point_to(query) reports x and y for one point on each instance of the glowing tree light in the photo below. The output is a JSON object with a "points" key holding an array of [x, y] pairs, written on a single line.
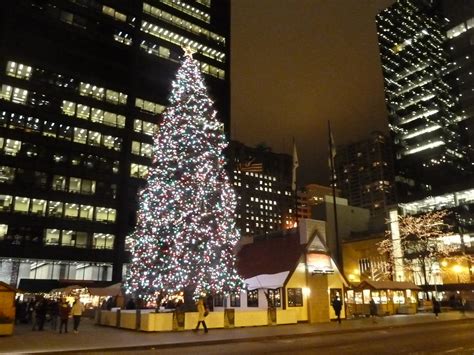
{"points": [[185, 232]]}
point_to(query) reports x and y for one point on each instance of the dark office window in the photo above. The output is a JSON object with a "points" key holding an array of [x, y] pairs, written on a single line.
{"points": [[252, 298], [295, 297]]}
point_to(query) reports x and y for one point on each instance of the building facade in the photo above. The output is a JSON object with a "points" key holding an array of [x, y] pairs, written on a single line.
{"points": [[262, 180], [365, 173], [79, 103], [312, 195], [427, 64]]}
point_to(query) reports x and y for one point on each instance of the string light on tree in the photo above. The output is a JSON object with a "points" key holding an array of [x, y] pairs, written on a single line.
{"points": [[185, 232]]}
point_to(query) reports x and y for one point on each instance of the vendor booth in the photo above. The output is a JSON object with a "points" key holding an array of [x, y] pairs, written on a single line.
{"points": [[391, 298], [7, 309]]}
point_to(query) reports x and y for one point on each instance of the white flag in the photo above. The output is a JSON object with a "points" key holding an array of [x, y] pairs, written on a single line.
{"points": [[295, 165]]}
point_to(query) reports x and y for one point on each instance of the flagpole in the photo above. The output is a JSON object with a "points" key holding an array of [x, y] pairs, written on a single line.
{"points": [[295, 184], [333, 185]]}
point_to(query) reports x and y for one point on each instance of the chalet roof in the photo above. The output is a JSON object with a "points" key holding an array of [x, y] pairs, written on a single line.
{"points": [[4, 287], [270, 255], [387, 285]]}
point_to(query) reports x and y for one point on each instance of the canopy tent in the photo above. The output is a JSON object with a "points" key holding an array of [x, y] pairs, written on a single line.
{"points": [[267, 281], [386, 285], [67, 289], [112, 290]]}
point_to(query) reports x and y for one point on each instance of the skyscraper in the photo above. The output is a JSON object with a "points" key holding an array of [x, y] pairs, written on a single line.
{"points": [[82, 85], [364, 172], [425, 48], [262, 181]]}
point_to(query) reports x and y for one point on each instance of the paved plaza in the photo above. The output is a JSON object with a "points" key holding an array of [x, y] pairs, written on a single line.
{"points": [[96, 338]]}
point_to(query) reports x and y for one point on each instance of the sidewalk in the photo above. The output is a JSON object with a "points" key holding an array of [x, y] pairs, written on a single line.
{"points": [[97, 338]]}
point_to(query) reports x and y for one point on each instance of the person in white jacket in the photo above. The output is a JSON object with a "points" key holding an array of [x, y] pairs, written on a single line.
{"points": [[76, 311]]}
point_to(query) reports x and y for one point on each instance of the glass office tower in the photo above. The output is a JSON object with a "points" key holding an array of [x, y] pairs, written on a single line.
{"points": [[427, 82], [82, 85]]}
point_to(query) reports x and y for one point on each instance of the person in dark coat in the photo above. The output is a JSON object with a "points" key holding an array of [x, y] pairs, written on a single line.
{"points": [[64, 312], [373, 310], [337, 306], [436, 307], [41, 309]]}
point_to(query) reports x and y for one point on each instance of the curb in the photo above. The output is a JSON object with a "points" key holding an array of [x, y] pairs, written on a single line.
{"points": [[252, 339]]}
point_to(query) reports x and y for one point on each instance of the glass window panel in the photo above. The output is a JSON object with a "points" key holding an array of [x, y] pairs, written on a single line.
{"points": [[146, 150], [3, 231], [123, 98], [74, 185], [19, 96], [97, 115], [120, 121], [7, 174], [82, 239], [51, 237], [55, 209], [108, 142], [33, 124], [59, 182], [94, 138], [86, 212], [83, 111], [136, 147], [88, 187], [5, 203], [111, 215], [137, 125], [148, 128], [112, 96], [110, 119], [38, 207], [22, 204], [109, 241], [68, 108], [71, 210], [12, 147], [80, 135], [101, 214], [67, 239], [252, 298], [6, 92]]}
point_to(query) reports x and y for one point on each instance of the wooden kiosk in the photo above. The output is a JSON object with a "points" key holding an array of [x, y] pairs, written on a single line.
{"points": [[7, 309], [391, 298]]}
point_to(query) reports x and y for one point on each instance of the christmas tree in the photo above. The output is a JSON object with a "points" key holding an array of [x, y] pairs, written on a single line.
{"points": [[185, 232]]}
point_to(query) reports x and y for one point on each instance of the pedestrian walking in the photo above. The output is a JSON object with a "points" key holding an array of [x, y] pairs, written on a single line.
{"points": [[77, 310], [202, 314], [436, 307], [64, 312], [463, 306], [337, 306], [54, 313], [373, 310], [41, 309]]}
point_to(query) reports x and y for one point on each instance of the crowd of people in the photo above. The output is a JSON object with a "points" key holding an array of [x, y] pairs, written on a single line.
{"points": [[40, 311]]}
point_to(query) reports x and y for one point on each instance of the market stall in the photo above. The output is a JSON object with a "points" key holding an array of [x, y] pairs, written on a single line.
{"points": [[391, 298]]}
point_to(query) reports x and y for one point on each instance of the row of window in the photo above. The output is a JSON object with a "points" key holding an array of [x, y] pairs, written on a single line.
{"points": [[188, 9], [39, 207], [145, 127], [60, 237], [149, 106], [143, 149], [85, 112], [40, 180], [295, 298], [109, 11], [186, 25], [179, 40]]}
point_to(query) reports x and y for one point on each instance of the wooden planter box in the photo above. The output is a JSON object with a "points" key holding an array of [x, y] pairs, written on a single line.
{"points": [[6, 329]]}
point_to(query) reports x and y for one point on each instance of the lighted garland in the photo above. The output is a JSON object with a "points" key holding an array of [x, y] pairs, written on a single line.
{"points": [[185, 232]]}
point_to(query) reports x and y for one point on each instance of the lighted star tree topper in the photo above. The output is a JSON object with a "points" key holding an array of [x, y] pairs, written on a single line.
{"points": [[185, 232]]}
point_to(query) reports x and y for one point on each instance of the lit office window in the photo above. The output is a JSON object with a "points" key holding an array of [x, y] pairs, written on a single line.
{"points": [[94, 139], [86, 89], [6, 92], [88, 187], [103, 241], [22, 204], [10, 146], [59, 183], [103, 214], [149, 106], [19, 96], [71, 210], [74, 185], [7, 174], [67, 238], [80, 135], [55, 209], [138, 171], [5, 203], [49, 129], [113, 13], [38, 207], [68, 108], [86, 212], [18, 70], [83, 111], [52, 237], [3, 231]]}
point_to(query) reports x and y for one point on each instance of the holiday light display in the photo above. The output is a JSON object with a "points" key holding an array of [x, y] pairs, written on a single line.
{"points": [[185, 232]]}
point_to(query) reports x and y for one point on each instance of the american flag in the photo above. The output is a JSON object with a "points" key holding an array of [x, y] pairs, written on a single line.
{"points": [[251, 166]]}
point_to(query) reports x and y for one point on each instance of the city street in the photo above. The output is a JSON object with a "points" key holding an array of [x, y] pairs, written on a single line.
{"points": [[431, 338]]}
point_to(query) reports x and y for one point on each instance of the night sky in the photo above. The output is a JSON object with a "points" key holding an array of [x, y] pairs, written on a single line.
{"points": [[297, 64]]}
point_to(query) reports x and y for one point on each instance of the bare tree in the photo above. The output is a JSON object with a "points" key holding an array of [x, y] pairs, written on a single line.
{"points": [[423, 244]]}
